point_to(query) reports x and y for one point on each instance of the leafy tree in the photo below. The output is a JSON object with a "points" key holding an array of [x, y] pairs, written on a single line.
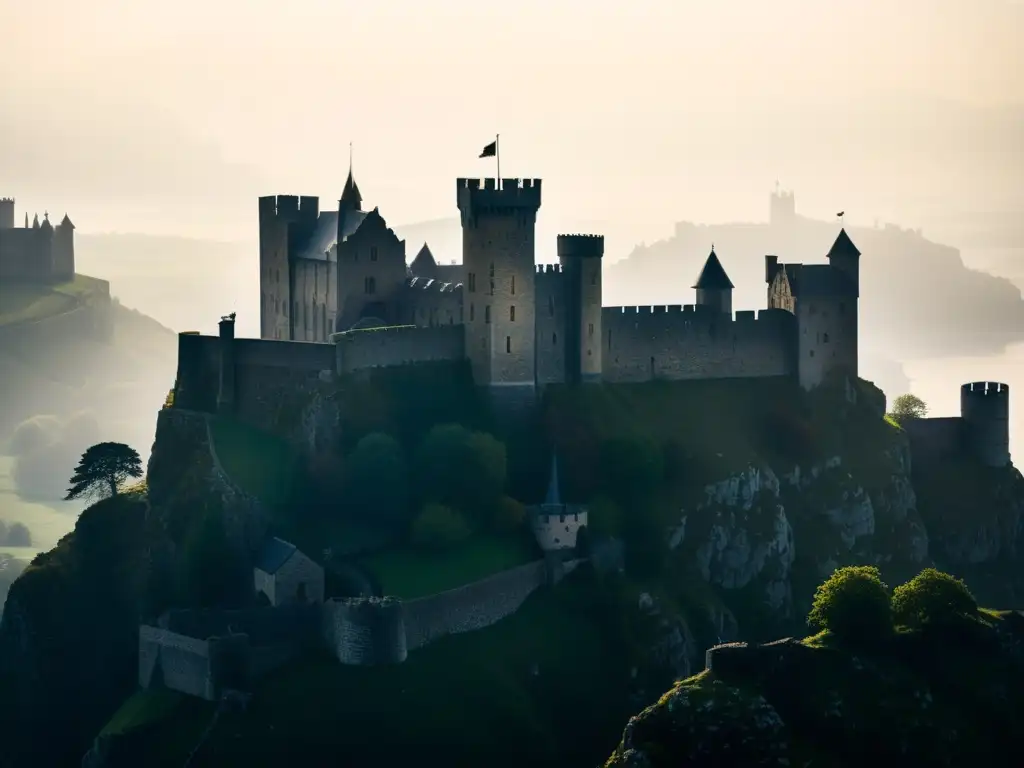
{"points": [[932, 597], [461, 469], [439, 527], [103, 469], [377, 478], [509, 515], [604, 517], [907, 407], [853, 604]]}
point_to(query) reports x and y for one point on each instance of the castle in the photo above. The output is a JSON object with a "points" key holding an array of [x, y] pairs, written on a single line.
{"points": [[523, 325], [40, 253]]}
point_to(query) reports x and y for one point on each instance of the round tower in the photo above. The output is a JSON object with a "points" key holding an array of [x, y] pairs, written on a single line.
{"points": [[713, 286], [580, 257], [6, 213], [985, 410], [498, 223]]}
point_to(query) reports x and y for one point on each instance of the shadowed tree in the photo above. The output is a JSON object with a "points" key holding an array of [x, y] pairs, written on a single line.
{"points": [[103, 469]]}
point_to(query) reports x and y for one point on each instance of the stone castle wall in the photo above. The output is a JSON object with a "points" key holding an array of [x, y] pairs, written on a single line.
{"points": [[382, 347], [366, 631], [176, 661], [551, 336], [470, 607], [934, 439], [684, 342]]}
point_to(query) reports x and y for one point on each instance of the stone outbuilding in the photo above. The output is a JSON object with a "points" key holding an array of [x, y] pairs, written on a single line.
{"points": [[286, 576]]}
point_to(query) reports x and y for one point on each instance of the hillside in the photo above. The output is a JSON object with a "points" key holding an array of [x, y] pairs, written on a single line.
{"points": [[944, 693], [732, 499]]}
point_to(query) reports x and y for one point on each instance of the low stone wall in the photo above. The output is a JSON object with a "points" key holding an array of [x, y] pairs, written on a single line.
{"points": [[178, 662], [470, 607]]}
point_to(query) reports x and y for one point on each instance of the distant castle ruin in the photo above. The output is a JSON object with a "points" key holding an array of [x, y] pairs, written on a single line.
{"points": [[38, 253]]}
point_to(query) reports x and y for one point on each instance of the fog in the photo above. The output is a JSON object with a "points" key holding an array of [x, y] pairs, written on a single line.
{"points": [[156, 126]]}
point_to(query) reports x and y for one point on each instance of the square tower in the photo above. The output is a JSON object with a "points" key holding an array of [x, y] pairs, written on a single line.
{"points": [[498, 256]]}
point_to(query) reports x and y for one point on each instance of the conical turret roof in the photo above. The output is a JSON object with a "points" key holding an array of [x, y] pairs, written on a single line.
{"points": [[712, 277], [351, 198], [554, 496], [843, 246], [424, 261]]}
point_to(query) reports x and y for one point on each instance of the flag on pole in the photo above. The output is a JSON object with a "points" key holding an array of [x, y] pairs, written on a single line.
{"points": [[490, 150], [841, 214]]}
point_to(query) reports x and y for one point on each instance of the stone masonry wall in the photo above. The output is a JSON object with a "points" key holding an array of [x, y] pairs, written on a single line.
{"points": [[470, 607], [681, 342], [551, 324], [183, 662], [382, 347], [366, 631]]}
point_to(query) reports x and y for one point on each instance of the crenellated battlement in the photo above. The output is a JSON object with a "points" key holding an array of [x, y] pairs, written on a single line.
{"points": [[549, 269], [7, 200], [580, 246], [994, 390], [475, 196], [290, 206]]}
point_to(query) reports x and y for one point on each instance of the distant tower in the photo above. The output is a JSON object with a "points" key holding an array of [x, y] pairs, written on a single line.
{"points": [[580, 257], [985, 411], [7, 213], [714, 288], [44, 266], [498, 260], [64, 250], [783, 207]]}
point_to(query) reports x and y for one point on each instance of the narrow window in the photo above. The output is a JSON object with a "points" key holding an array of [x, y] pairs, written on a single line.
{"points": [[593, 277], [492, 269], [472, 314], [472, 283], [508, 343], [554, 339], [492, 286], [370, 285], [373, 253], [512, 313], [609, 339], [487, 313], [824, 338], [551, 306], [590, 330], [513, 285]]}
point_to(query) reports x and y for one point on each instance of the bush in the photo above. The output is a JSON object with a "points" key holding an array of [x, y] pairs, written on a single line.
{"points": [[932, 597], [439, 527], [853, 605], [377, 480], [509, 515], [462, 469], [604, 517]]}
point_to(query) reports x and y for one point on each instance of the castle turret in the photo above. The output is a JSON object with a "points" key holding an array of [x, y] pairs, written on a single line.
{"points": [[580, 257], [7, 213], [714, 288], [498, 223], [783, 208], [985, 411], [226, 388], [64, 250], [844, 256]]}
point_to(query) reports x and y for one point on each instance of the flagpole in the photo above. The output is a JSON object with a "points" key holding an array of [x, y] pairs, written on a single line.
{"points": [[497, 157]]}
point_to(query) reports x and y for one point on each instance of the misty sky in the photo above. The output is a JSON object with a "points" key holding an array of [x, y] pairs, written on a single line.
{"points": [[137, 115]]}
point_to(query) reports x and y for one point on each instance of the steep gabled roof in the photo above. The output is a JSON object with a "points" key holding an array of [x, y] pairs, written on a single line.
{"points": [[424, 265], [274, 554], [712, 277], [843, 246], [66, 222]]}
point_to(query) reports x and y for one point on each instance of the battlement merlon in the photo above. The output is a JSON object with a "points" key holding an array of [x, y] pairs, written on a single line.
{"points": [[475, 196], [580, 246], [289, 205], [986, 389]]}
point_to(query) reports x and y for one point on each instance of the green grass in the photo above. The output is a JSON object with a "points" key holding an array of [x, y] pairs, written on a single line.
{"points": [[260, 464], [23, 303], [143, 708], [410, 573]]}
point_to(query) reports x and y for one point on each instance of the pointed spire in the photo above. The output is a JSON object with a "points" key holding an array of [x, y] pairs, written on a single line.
{"points": [[46, 221], [26, 219], [66, 222], [843, 246], [350, 196], [35, 221], [554, 496], [713, 277]]}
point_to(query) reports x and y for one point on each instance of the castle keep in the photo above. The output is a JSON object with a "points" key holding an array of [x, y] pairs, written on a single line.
{"points": [[40, 253], [324, 275]]}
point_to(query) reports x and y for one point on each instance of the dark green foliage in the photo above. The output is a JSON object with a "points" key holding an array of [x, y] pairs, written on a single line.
{"points": [[907, 407], [439, 527], [630, 468], [853, 605], [509, 515], [462, 469], [932, 597], [604, 517], [103, 469], [377, 480], [209, 568]]}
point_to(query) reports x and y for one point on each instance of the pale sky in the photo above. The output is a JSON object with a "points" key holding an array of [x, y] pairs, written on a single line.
{"points": [[173, 116]]}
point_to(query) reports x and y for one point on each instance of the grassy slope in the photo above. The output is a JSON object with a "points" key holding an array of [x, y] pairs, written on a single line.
{"points": [[945, 697], [457, 698], [22, 303]]}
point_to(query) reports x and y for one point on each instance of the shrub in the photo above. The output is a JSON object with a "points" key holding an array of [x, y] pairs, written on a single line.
{"points": [[439, 527], [461, 468], [604, 517], [907, 407], [509, 515], [853, 604], [932, 597], [377, 479]]}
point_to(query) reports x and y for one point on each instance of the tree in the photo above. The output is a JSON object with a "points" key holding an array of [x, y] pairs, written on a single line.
{"points": [[931, 598], [907, 407], [103, 469], [461, 469], [509, 515], [439, 527], [853, 604], [377, 479]]}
